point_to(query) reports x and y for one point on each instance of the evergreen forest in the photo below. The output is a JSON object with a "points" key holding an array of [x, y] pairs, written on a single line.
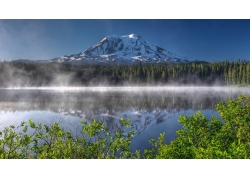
{"points": [[225, 73]]}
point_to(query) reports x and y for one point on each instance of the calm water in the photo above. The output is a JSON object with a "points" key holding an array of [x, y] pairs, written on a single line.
{"points": [[152, 110]]}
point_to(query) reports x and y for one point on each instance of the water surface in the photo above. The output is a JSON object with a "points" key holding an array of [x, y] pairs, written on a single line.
{"points": [[152, 110]]}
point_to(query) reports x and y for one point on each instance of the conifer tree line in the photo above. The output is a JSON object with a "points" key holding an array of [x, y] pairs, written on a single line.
{"points": [[223, 73]]}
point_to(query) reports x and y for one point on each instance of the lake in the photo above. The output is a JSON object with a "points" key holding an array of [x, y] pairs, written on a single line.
{"points": [[152, 110]]}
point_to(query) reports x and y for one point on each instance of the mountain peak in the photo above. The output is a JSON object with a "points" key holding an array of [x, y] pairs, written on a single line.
{"points": [[130, 48], [135, 36]]}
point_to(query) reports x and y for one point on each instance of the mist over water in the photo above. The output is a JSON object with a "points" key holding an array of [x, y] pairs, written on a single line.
{"points": [[136, 88], [152, 110]]}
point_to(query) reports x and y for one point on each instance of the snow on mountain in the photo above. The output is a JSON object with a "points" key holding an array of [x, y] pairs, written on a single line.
{"points": [[127, 49]]}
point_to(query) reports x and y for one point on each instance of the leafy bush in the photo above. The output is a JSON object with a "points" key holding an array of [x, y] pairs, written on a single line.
{"points": [[94, 141], [198, 138], [204, 138]]}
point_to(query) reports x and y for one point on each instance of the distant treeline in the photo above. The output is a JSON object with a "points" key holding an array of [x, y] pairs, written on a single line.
{"points": [[55, 74]]}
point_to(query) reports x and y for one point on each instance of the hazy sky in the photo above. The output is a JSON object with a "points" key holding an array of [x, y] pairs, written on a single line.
{"points": [[196, 39]]}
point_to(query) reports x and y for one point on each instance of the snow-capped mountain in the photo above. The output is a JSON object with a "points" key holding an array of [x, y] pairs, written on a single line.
{"points": [[127, 49]]}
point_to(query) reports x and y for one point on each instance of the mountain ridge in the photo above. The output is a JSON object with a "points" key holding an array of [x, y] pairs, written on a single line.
{"points": [[127, 49]]}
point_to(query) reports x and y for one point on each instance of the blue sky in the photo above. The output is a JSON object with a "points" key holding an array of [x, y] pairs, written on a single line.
{"points": [[196, 38]]}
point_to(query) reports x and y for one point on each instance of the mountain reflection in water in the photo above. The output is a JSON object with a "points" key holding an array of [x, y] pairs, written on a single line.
{"points": [[151, 111]]}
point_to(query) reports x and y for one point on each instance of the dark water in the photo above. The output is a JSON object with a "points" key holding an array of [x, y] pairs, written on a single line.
{"points": [[152, 110]]}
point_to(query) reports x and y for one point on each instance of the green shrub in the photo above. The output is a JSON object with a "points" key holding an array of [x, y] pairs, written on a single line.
{"points": [[212, 139], [94, 141], [199, 137]]}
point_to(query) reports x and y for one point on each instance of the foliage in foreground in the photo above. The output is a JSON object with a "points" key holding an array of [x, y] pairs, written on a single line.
{"points": [[204, 138], [199, 138], [93, 141]]}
